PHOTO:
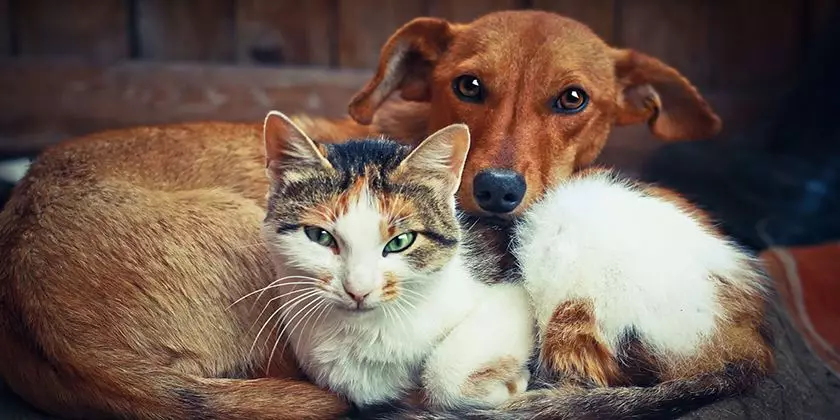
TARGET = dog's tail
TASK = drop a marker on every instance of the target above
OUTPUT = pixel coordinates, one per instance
(665, 400)
(166, 394)
(97, 389)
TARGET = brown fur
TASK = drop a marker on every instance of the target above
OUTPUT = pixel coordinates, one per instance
(330, 210)
(573, 347)
(391, 290)
(505, 369)
(122, 250)
(525, 59)
(742, 336)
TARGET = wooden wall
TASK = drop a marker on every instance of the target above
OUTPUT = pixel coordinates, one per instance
(72, 66)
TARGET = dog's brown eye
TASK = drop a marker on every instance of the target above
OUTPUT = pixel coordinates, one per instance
(570, 101)
(468, 88)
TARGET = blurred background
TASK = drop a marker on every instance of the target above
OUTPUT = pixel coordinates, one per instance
(770, 69)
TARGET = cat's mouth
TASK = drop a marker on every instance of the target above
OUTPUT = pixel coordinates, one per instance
(358, 308)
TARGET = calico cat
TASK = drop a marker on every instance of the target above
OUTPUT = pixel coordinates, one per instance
(381, 291)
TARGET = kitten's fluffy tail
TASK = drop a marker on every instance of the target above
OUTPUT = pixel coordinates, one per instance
(665, 400)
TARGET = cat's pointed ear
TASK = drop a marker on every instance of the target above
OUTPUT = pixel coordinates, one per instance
(439, 159)
(286, 145)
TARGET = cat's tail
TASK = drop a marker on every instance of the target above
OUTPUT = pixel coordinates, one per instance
(665, 400)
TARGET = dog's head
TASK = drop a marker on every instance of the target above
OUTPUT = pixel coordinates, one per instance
(539, 92)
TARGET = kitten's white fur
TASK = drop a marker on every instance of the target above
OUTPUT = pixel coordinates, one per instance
(446, 326)
(643, 262)
(443, 326)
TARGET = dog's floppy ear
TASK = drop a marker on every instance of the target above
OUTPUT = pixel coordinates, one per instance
(653, 92)
(405, 63)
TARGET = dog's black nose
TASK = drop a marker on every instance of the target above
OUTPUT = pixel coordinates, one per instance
(498, 190)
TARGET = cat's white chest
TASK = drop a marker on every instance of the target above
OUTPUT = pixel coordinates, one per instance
(378, 360)
(370, 365)
(369, 362)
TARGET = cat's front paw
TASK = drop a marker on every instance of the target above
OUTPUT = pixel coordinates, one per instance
(491, 385)
(491, 388)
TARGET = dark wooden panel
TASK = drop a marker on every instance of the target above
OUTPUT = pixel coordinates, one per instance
(677, 32)
(597, 14)
(93, 29)
(5, 28)
(365, 25)
(820, 12)
(192, 30)
(467, 10)
(753, 46)
(42, 101)
(285, 31)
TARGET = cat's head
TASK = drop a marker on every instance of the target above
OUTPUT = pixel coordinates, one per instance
(367, 221)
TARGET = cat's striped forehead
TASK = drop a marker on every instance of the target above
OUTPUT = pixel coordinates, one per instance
(361, 177)
(393, 211)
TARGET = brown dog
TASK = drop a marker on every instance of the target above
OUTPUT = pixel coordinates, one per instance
(122, 250)
(539, 92)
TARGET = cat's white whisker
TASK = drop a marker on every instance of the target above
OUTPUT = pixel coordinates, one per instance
(410, 292)
(288, 320)
(408, 302)
(321, 303)
(282, 282)
(279, 310)
(318, 301)
(274, 284)
(267, 304)
(324, 309)
(388, 315)
(400, 308)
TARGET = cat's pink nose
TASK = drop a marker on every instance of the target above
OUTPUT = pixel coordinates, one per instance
(359, 297)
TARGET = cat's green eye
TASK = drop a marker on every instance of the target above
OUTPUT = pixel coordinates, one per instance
(400, 243)
(319, 236)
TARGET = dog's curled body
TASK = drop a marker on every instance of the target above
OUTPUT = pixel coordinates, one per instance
(121, 255)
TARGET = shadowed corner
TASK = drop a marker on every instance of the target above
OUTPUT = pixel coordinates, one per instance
(777, 180)
(12, 407)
